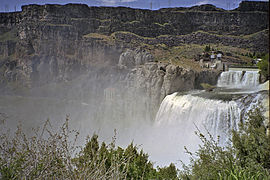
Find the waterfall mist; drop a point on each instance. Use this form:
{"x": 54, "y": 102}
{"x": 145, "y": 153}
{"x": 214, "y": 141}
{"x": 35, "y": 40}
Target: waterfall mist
{"x": 188, "y": 111}
{"x": 99, "y": 103}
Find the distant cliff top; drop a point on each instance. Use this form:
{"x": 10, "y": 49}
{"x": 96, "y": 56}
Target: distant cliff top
{"x": 250, "y": 17}
{"x": 253, "y": 6}
{"x": 76, "y": 36}
{"x": 243, "y": 6}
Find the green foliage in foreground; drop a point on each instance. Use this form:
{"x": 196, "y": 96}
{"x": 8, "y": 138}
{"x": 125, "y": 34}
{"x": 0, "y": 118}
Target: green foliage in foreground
{"x": 54, "y": 155}
{"x": 247, "y": 158}
{"x": 264, "y": 66}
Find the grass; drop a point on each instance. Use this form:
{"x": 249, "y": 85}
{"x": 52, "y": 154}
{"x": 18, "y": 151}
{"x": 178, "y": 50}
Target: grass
{"x": 131, "y": 34}
{"x": 162, "y": 25}
{"x": 249, "y": 36}
{"x": 182, "y": 55}
{"x": 133, "y": 22}
{"x": 98, "y": 36}
{"x": 207, "y": 87}
{"x": 237, "y": 53}
{"x": 78, "y": 19}
{"x": 163, "y": 36}
{"x": 9, "y": 36}
{"x": 60, "y": 25}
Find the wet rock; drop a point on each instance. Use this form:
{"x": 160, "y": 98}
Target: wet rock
{"x": 131, "y": 58}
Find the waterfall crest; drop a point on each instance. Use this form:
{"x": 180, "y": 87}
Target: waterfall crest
{"x": 216, "y": 115}
{"x": 239, "y": 79}
{"x": 217, "y": 112}
{"x": 186, "y": 111}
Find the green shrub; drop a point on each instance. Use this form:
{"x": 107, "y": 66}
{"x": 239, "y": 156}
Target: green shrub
{"x": 247, "y": 158}
{"x": 207, "y": 48}
{"x": 251, "y": 144}
{"x": 36, "y": 157}
{"x": 264, "y": 66}
{"x": 169, "y": 172}
{"x": 53, "y": 154}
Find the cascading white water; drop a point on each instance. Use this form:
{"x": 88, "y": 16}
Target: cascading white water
{"x": 186, "y": 111}
{"x": 218, "y": 112}
{"x": 239, "y": 79}
{"x": 164, "y": 141}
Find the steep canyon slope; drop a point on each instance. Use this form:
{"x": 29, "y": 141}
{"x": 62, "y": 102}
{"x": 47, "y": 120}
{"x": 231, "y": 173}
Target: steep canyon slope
{"x": 74, "y": 50}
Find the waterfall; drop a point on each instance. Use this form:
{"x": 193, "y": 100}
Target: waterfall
{"x": 186, "y": 111}
{"x": 217, "y": 112}
{"x": 239, "y": 79}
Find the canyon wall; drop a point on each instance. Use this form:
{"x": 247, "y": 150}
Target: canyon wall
{"x": 46, "y": 44}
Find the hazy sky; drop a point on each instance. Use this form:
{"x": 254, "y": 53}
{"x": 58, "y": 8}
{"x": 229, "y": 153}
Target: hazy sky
{"x": 11, "y": 5}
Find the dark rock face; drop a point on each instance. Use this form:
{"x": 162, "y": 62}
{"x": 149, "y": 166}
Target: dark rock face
{"x": 257, "y": 42}
{"x": 209, "y": 77}
{"x": 253, "y": 6}
{"x": 157, "y": 80}
{"x": 55, "y": 43}
{"x": 150, "y": 23}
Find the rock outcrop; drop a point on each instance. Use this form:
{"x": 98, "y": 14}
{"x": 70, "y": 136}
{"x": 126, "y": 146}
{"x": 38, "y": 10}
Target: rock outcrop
{"x": 130, "y": 58}
{"x": 253, "y": 6}
{"x": 45, "y": 44}
{"x": 147, "y": 23}
{"x": 156, "y": 80}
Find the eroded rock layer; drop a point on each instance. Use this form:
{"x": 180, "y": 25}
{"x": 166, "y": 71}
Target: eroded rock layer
{"x": 103, "y": 50}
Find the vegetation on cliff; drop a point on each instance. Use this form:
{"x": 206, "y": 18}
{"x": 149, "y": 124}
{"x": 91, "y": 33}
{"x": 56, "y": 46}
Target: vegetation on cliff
{"x": 264, "y": 66}
{"x": 207, "y": 87}
{"x": 88, "y": 37}
{"x": 9, "y": 36}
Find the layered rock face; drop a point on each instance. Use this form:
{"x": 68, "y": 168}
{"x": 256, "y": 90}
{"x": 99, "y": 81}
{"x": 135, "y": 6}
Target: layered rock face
{"x": 156, "y": 80}
{"x": 147, "y": 23}
{"x": 46, "y": 44}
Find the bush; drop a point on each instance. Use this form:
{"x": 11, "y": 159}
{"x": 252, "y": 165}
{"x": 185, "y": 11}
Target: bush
{"x": 129, "y": 163}
{"x": 247, "y": 158}
{"x": 169, "y": 172}
{"x": 264, "y": 66}
{"x": 251, "y": 144}
{"x": 207, "y": 48}
{"x": 36, "y": 157}
{"x": 54, "y": 155}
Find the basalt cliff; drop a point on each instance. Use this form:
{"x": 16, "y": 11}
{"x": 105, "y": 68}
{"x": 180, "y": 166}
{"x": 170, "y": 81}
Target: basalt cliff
{"x": 113, "y": 51}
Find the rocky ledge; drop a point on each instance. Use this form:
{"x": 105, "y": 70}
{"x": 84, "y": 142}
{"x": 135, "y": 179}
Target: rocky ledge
{"x": 121, "y": 46}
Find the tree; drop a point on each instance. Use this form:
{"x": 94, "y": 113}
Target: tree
{"x": 129, "y": 163}
{"x": 54, "y": 157}
{"x": 251, "y": 143}
{"x": 169, "y": 172}
{"x": 264, "y": 66}
{"x": 247, "y": 158}
{"x": 207, "y": 48}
